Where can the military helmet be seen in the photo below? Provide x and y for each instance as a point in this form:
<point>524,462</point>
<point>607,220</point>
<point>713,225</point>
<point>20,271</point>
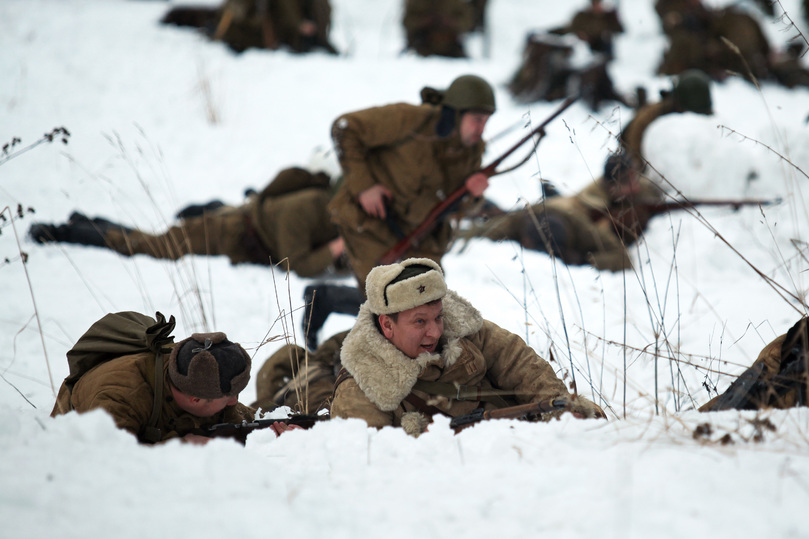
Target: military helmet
<point>693,92</point>
<point>470,92</point>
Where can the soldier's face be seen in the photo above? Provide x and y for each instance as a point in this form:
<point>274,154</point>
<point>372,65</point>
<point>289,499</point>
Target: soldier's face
<point>472,126</point>
<point>415,331</point>
<point>202,407</point>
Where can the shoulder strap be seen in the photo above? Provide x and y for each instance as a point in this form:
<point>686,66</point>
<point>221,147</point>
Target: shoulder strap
<point>342,376</point>
<point>157,336</point>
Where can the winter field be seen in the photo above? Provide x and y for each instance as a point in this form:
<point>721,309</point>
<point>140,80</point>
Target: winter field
<point>160,118</point>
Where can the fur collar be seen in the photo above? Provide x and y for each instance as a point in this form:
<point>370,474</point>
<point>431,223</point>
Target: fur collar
<point>384,373</point>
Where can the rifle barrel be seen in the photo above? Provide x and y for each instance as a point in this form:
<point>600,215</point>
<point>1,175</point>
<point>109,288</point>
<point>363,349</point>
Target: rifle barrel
<point>426,226</point>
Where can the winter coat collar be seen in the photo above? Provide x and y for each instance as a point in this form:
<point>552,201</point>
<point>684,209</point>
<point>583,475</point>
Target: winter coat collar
<point>384,373</point>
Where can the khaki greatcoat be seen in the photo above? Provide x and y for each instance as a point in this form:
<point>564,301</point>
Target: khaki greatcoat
<point>396,146</point>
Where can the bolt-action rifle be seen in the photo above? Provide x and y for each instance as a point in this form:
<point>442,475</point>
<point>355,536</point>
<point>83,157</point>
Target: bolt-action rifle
<point>440,210</point>
<point>633,217</point>
<point>526,412</point>
<point>239,431</point>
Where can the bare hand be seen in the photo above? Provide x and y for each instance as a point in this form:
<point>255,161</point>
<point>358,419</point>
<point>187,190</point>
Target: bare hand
<point>337,247</point>
<point>373,200</point>
<point>279,428</point>
<point>477,183</point>
<point>195,439</point>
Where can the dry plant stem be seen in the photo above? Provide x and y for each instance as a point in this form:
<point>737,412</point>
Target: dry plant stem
<point>791,26</point>
<point>676,359</point>
<point>767,146</point>
<point>694,212</point>
<point>33,298</point>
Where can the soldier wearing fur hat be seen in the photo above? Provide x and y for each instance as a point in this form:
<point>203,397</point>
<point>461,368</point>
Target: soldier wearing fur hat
<point>593,227</point>
<point>201,382</point>
<point>287,222</point>
<point>419,349</point>
<point>400,160</point>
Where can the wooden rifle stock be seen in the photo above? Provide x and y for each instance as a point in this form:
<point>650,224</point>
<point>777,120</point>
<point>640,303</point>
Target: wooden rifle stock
<point>398,251</point>
<point>522,411</point>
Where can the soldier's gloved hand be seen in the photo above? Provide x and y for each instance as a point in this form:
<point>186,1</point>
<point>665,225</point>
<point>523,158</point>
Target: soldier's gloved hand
<point>586,409</point>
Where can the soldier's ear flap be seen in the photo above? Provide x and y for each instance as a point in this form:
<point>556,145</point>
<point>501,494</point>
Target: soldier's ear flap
<point>431,96</point>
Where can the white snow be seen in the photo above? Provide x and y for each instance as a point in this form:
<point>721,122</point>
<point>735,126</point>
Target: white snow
<point>707,294</point>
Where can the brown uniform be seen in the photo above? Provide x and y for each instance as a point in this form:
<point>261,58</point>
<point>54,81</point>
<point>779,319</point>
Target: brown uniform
<point>293,226</point>
<point>303,382</point>
<point>435,27</point>
<point>396,146</point>
<point>596,27</point>
<point>631,137</point>
<point>697,40</point>
<point>777,379</point>
<point>270,24</point>
<point>124,387</point>
<point>587,228</point>
<point>472,352</point>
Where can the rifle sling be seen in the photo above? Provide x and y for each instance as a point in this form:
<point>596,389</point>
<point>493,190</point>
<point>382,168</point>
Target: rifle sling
<point>423,407</point>
<point>465,393</point>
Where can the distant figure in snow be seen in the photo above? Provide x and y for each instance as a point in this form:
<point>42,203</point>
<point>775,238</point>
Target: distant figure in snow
<point>596,25</point>
<point>298,25</point>
<point>437,27</point>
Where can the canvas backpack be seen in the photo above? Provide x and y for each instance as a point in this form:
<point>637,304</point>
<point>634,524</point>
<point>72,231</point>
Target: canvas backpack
<point>113,336</point>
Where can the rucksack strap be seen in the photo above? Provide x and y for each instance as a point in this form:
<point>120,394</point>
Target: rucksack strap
<point>157,336</point>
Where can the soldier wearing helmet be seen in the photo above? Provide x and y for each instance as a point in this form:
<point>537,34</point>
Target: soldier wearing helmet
<point>400,160</point>
<point>691,93</point>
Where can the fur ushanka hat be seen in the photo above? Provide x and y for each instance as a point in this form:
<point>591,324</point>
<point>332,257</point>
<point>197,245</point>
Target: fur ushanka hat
<point>398,287</point>
<point>209,366</point>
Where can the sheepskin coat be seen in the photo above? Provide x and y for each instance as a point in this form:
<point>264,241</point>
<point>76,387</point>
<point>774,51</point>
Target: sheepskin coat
<point>124,387</point>
<point>472,351</point>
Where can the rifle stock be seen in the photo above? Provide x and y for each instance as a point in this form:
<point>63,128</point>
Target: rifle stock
<point>523,411</point>
<point>398,251</point>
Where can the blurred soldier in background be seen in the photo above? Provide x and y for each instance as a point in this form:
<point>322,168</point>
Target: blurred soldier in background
<point>691,93</point>
<point>551,69</point>
<point>436,27</point>
<point>595,25</point>
<point>593,227</point>
<point>299,25</point>
<point>288,221</point>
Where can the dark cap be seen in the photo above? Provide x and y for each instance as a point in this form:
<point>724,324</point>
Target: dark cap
<point>209,366</point>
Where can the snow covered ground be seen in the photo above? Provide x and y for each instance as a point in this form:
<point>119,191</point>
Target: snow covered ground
<point>160,118</point>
